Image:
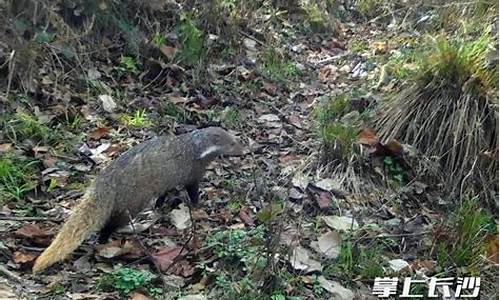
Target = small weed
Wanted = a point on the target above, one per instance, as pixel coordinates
(229, 244)
(251, 86)
(232, 117)
(234, 206)
(314, 17)
(58, 290)
(359, 46)
(17, 177)
(127, 280)
(317, 288)
(52, 185)
(402, 64)
(331, 111)
(159, 40)
(175, 112)
(75, 125)
(192, 41)
(395, 171)
(357, 261)
(369, 8)
(339, 138)
(467, 233)
(278, 296)
(130, 64)
(277, 67)
(138, 119)
(24, 126)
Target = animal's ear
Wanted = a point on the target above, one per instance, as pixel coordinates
(210, 151)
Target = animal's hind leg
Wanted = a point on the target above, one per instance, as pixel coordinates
(106, 232)
(193, 191)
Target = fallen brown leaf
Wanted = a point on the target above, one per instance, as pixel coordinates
(5, 147)
(114, 150)
(165, 257)
(492, 248)
(116, 248)
(168, 51)
(394, 147)
(245, 217)
(270, 88)
(31, 231)
(23, 257)
(205, 102)
(99, 133)
(324, 200)
(368, 137)
(138, 296)
(183, 268)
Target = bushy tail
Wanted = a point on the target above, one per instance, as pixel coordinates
(88, 216)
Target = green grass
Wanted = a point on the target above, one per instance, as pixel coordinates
(457, 62)
(325, 114)
(130, 64)
(138, 119)
(402, 64)
(25, 126)
(159, 40)
(336, 136)
(358, 46)
(240, 253)
(277, 67)
(369, 8)
(314, 17)
(174, 112)
(339, 136)
(17, 177)
(356, 260)
(232, 117)
(468, 230)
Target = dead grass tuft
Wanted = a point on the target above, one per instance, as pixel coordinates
(449, 113)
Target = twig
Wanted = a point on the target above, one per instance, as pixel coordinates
(10, 274)
(19, 218)
(251, 37)
(184, 246)
(394, 235)
(11, 73)
(146, 251)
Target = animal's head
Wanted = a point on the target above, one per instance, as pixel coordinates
(217, 142)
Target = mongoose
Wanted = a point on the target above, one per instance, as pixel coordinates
(130, 182)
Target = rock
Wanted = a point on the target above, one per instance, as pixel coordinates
(108, 104)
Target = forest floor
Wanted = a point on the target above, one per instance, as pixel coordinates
(284, 221)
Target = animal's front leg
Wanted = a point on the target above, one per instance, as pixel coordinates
(193, 191)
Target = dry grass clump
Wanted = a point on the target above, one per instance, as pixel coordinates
(449, 112)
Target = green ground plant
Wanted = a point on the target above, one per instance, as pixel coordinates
(127, 280)
(315, 18)
(369, 8)
(23, 125)
(356, 260)
(175, 112)
(130, 64)
(467, 233)
(277, 67)
(138, 119)
(232, 117)
(17, 177)
(192, 39)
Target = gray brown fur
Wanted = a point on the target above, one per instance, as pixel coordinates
(130, 182)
